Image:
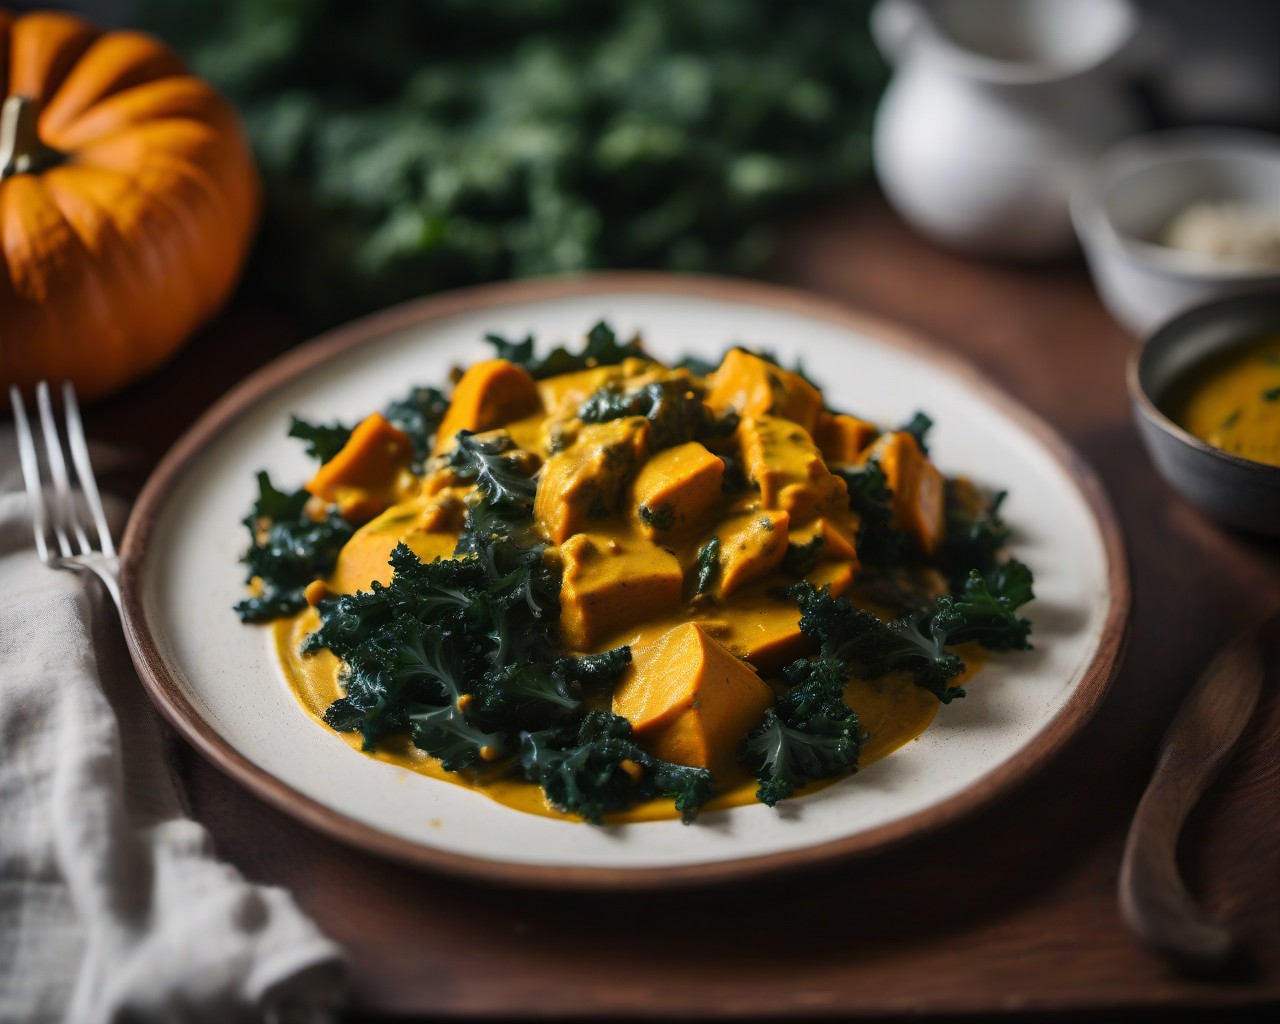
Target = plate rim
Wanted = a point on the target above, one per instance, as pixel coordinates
(167, 696)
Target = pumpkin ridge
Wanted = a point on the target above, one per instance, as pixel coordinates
(44, 47)
(115, 62)
(181, 97)
(172, 297)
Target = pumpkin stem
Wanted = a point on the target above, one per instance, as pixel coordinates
(21, 151)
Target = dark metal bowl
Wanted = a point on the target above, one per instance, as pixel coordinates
(1236, 492)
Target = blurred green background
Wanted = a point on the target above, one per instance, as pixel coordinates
(409, 147)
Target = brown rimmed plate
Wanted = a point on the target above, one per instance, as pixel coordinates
(219, 684)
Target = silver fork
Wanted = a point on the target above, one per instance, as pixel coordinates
(57, 517)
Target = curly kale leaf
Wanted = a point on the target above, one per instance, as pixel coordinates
(418, 414)
(974, 534)
(323, 441)
(809, 733)
(878, 542)
(986, 608)
(918, 427)
(498, 468)
(802, 559)
(597, 672)
(661, 518)
(707, 566)
(676, 413)
(602, 348)
(288, 551)
(595, 768)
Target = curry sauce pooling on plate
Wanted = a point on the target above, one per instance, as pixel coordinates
(595, 586)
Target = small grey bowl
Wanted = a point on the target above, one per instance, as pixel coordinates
(1237, 492)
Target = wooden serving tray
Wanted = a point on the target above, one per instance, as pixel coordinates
(1012, 908)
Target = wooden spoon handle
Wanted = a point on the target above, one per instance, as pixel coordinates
(1153, 898)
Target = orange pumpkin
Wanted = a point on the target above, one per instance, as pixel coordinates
(128, 199)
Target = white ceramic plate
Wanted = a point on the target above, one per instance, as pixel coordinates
(219, 683)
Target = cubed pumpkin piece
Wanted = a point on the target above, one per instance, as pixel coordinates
(677, 488)
(757, 387)
(689, 700)
(586, 482)
(836, 533)
(428, 526)
(488, 395)
(609, 584)
(917, 485)
(781, 459)
(765, 631)
(752, 545)
(370, 472)
(842, 438)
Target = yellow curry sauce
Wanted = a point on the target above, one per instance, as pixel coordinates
(625, 518)
(1232, 400)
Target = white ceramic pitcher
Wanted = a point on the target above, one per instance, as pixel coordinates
(995, 109)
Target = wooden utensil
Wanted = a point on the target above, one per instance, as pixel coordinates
(1153, 898)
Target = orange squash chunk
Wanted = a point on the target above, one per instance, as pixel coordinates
(586, 482)
(489, 395)
(837, 535)
(782, 460)
(917, 487)
(428, 527)
(765, 631)
(689, 700)
(756, 387)
(609, 585)
(676, 488)
(752, 545)
(370, 472)
(841, 437)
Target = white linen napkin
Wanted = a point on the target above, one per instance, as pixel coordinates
(113, 906)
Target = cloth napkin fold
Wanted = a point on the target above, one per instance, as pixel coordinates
(113, 906)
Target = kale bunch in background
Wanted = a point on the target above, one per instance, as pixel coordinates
(413, 147)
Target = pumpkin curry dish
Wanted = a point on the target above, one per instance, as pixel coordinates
(594, 586)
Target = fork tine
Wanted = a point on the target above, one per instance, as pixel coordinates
(84, 468)
(64, 510)
(30, 473)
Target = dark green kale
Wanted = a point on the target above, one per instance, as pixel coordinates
(696, 365)
(802, 559)
(288, 551)
(918, 427)
(985, 609)
(1271, 395)
(878, 543)
(676, 413)
(463, 654)
(598, 672)
(593, 767)
(602, 348)
(418, 414)
(497, 467)
(661, 518)
(975, 532)
(917, 643)
(707, 566)
(809, 733)
(323, 441)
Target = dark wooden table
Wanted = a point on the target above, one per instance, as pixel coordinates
(1013, 909)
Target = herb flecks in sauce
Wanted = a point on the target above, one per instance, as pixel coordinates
(1232, 400)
